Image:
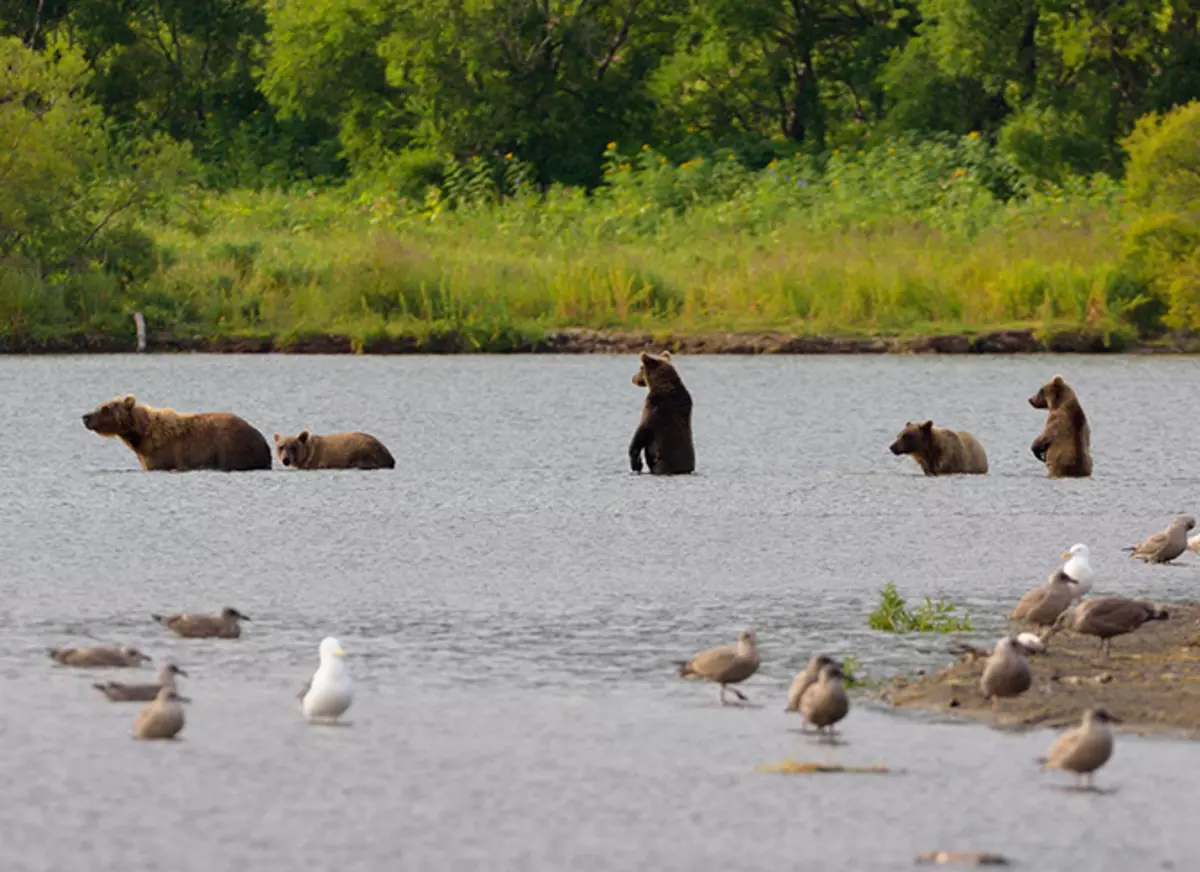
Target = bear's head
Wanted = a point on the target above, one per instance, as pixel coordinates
(657, 373)
(1052, 395)
(293, 450)
(117, 417)
(639, 378)
(914, 439)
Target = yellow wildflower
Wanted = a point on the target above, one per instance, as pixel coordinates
(645, 147)
(974, 134)
(611, 146)
(508, 156)
(891, 151)
(960, 172)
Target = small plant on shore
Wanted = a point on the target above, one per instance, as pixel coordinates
(892, 615)
(850, 669)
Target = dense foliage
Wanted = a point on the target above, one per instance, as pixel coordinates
(865, 165)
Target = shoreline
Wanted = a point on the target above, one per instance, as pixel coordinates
(1151, 681)
(588, 341)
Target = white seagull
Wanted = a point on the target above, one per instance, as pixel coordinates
(330, 691)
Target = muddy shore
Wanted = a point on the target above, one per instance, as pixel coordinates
(586, 341)
(1151, 681)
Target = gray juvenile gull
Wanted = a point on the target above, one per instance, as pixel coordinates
(99, 656)
(192, 626)
(118, 692)
(329, 692)
(162, 719)
(728, 664)
(805, 679)
(1007, 672)
(1042, 605)
(1109, 616)
(1084, 749)
(825, 703)
(1165, 546)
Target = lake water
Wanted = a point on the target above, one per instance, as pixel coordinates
(511, 598)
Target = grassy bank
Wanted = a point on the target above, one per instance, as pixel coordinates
(921, 238)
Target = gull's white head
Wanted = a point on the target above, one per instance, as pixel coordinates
(1077, 565)
(330, 648)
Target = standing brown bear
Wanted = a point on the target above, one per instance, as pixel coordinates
(665, 432)
(165, 439)
(941, 452)
(1065, 442)
(335, 451)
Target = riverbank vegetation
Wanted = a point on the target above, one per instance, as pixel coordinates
(374, 169)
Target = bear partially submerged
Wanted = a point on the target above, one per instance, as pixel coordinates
(165, 439)
(665, 432)
(335, 451)
(941, 452)
(1065, 441)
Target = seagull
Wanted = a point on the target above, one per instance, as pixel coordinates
(327, 695)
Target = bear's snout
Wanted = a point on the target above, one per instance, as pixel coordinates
(896, 448)
(1036, 401)
(287, 461)
(87, 420)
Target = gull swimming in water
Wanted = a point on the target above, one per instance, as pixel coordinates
(728, 664)
(330, 691)
(193, 626)
(162, 719)
(1165, 546)
(165, 677)
(1084, 749)
(98, 656)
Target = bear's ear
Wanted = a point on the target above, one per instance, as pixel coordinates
(1057, 381)
(129, 401)
(303, 437)
(276, 437)
(928, 425)
(666, 354)
(643, 357)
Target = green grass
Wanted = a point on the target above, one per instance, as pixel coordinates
(699, 248)
(892, 615)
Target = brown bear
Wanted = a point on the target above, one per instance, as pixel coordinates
(1065, 442)
(665, 432)
(639, 379)
(335, 451)
(166, 439)
(941, 452)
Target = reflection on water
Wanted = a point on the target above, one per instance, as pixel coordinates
(512, 599)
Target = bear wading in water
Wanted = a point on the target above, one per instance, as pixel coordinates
(665, 432)
(335, 451)
(164, 439)
(941, 452)
(1065, 442)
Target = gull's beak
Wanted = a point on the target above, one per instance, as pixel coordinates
(339, 653)
(1066, 555)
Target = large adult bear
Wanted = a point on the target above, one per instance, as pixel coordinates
(165, 439)
(665, 432)
(1065, 442)
(941, 452)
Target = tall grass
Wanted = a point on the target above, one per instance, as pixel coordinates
(910, 238)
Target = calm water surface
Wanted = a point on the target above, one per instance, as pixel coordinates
(512, 599)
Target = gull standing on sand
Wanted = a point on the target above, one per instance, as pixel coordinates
(1042, 605)
(1084, 749)
(1078, 569)
(165, 677)
(825, 703)
(330, 691)
(728, 664)
(1007, 673)
(1194, 543)
(1106, 617)
(162, 719)
(806, 679)
(1165, 546)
